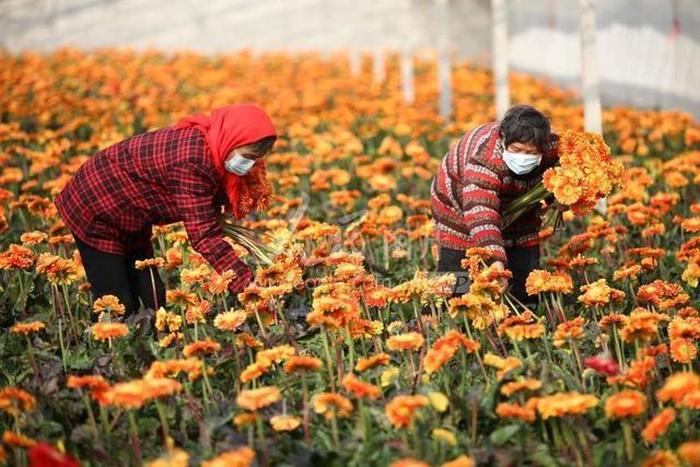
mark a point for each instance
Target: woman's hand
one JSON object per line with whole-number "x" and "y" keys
{"x": 502, "y": 281}
{"x": 244, "y": 275}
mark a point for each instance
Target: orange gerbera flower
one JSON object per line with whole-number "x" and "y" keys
{"x": 691, "y": 400}
{"x": 241, "y": 457}
{"x": 658, "y": 425}
{"x": 599, "y": 293}
{"x": 627, "y": 403}
{"x": 12, "y": 438}
{"x": 218, "y": 283}
{"x": 454, "y": 338}
{"x": 504, "y": 365}
{"x": 690, "y": 452}
{"x": 91, "y": 382}
{"x": 285, "y": 422}
{"x": 627, "y": 272}
{"x": 333, "y": 311}
{"x": 638, "y": 375}
{"x": 569, "y": 330}
{"x": 661, "y": 459}
{"x": 677, "y": 386}
{"x": 172, "y": 368}
{"x": 255, "y": 370}
{"x": 246, "y": 339}
{"x": 172, "y": 457}
{"x": 436, "y": 358}
{"x": 684, "y": 328}
{"x": 401, "y": 410}
{"x": 521, "y": 327}
{"x": 33, "y": 238}
{"x": 230, "y": 320}
{"x": 509, "y": 389}
{"x": 565, "y": 403}
{"x": 200, "y": 348}
{"x": 461, "y": 461}
{"x": 15, "y": 400}
{"x": 134, "y": 394}
{"x": 28, "y": 328}
{"x": 108, "y": 303}
{"x": 196, "y": 313}
{"x": 16, "y": 257}
{"x": 302, "y": 363}
{"x": 180, "y": 297}
{"x": 331, "y": 404}
{"x": 360, "y": 388}
{"x": 612, "y": 319}
{"x": 366, "y": 363}
{"x": 243, "y": 420}
{"x": 525, "y": 412}
{"x": 256, "y": 399}
{"x": 149, "y": 262}
{"x": 107, "y": 331}
{"x": 276, "y": 354}
{"x": 642, "y": 325}
{"x": 407, "y": 341}
{"x": 662, "y": 294}
{"x": 683, "y": 350}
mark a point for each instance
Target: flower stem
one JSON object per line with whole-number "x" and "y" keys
{"x": 63, "y": 347}
{"x": 163, "y": 422}
{"x": 629, "y": 446}
{"x": 305, "y": 407}
{"x": 135, "y": 440}
{"x": 329, "y": 362}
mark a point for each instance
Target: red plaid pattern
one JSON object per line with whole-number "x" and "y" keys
{"x": 154, "y": 178}
{"x": 470, "y": 187}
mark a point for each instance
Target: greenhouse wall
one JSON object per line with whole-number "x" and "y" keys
{"x": 649, "y": 50}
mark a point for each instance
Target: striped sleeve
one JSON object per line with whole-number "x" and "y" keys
{"x": 193, "y": 194}
{"x": 481, "y": 203}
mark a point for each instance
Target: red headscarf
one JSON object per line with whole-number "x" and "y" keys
{"x": 227, "y": 128}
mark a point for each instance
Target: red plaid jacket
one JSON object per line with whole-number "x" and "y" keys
{"x": 471, "y": 186}
{"x": 154, "y": 178}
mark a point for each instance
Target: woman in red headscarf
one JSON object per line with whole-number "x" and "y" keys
{"x": 185, "y": 172}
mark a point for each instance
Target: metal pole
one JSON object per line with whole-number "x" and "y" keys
{"x": 378, "y": 67}
{"x": 444, "y": 66}
{"x": 407, "y": 87}
{"x": 590, "y": 79}
{"x": 355, "y": 61}
{"x": 499, "y": 38}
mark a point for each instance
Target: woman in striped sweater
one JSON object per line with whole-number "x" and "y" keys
{"x": 487, "y": 168}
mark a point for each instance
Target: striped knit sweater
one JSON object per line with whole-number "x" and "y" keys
{"x": 471, "y": 186}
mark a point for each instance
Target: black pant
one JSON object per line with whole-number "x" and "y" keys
{"x": 521, "y": 261}
{"x": 112, "y": 274}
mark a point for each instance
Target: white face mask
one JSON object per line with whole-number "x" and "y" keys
{"x": 521, "y": 163}
{"x": 238, "y": 164}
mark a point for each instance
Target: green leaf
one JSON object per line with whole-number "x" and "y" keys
{"x": 502, "y": 435}
{"x": 542, "y": 457}
{"x": 50, "y": 429}
{"x": 79, "y": 361}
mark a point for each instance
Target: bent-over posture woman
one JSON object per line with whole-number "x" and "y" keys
{"x": 184, "y": 172}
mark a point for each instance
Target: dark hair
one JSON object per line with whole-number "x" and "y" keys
{"x": 525, "y": 124}
{"x": 263, "y": 146}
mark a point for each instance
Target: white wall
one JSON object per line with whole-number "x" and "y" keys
{"x": 639, "y": 61}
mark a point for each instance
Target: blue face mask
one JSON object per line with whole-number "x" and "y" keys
{"x": 238, "y": 164}
{"x": 521, "y": 163}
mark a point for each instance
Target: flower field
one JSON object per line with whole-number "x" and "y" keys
{"x": 347, "y": 350}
